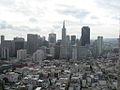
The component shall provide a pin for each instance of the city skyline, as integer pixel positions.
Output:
(21, 17)
(59, 45)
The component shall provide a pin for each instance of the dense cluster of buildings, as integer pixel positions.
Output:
(69, 47)
(93, 74)
(66, 64)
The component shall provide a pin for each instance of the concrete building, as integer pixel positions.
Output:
(94, 48)
(69, 49)
(73, 40)
(74, 52)
(85, 37)
(21, 54)
(44, 49)
(5, 53)
(100, 45)
(83, 52)
(32, 43)
(52, 39)
(8, 44)
(57, 49)
(12, 76)
(2, 38)
(52, 51)
(38, 56)
(19, 43)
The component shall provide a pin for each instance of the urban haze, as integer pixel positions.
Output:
(59, 45)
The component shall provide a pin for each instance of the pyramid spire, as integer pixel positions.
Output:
(64, 24)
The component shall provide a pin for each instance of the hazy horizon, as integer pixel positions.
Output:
(20, 17)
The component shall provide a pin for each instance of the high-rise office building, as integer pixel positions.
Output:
(38, 56)
(19, 43)
(5, 53)
(69, 50)
(21, 54)
(85, 37)
(74, 52)
(83, 52)
(32, 43)
(2, 39)
(94, 49)
(57, 49)
(100, 45)
(63, 46)
(52, 38)
(73, 40)
(8, 44)
(52, 51)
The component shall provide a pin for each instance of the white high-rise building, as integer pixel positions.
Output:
(100, 45)
(5, 53)
(74, 52)
(38, 56)
(21, 54)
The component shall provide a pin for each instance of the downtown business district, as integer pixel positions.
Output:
(66, 64)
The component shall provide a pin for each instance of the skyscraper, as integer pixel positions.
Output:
(69, 54)
(32, 43)
(2, 39)
(8, 44)
(57, 49)
(99, 45)
(21, 54)
(5, 53)
(73, 40)
(19, 43)
(74, 52)
(52, 38)
(63, 46)
(85, 37)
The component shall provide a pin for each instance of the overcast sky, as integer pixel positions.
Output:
(20, 17)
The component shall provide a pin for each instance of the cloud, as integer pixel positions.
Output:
(25, 7)
(7, 2)
(56, 26)
(75, 13)
(72, 11)
(29, 15)
(4, 25)
(112, 5)
(65, 6)
(33, 20)
(94, 17)
(116, 18)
